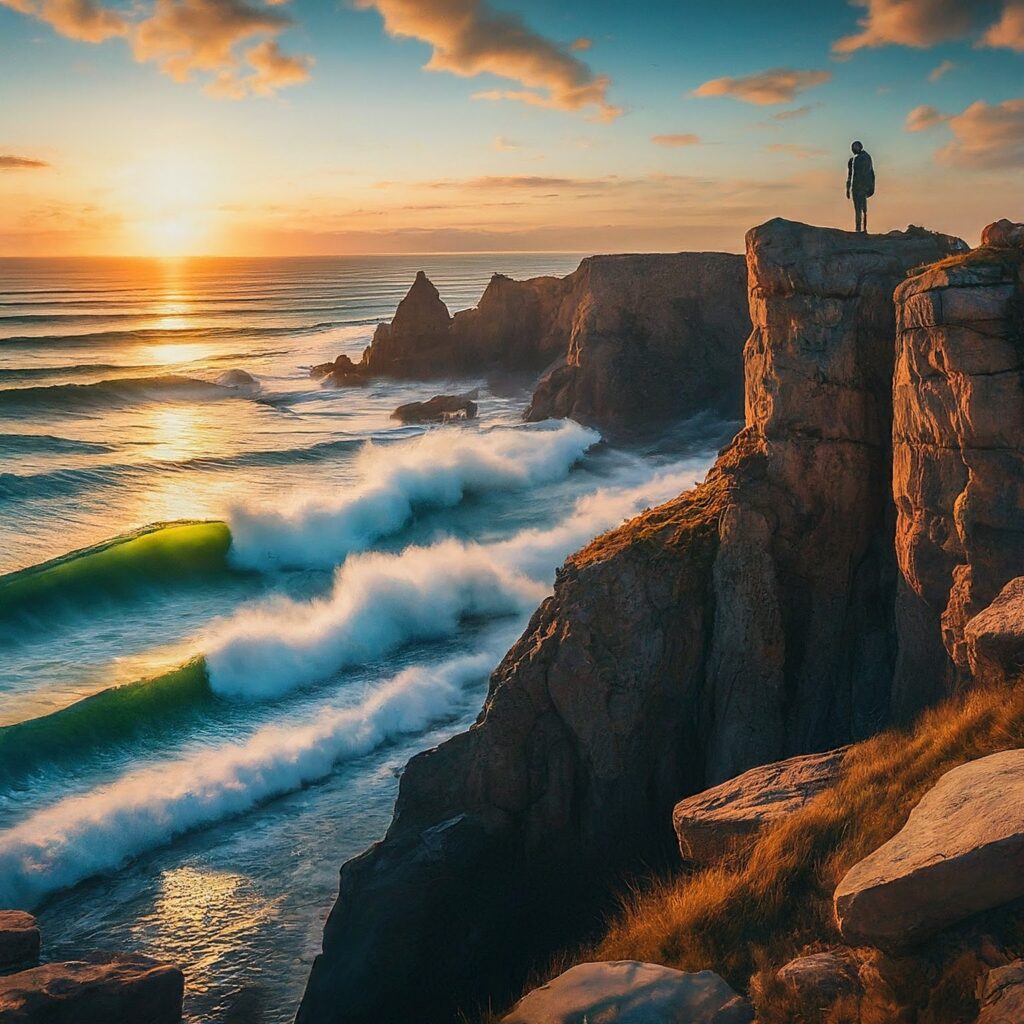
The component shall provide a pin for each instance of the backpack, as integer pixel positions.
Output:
(869, 178)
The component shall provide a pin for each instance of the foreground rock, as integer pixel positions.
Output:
(820, 979)
(994, 638)
(714, 822)
(958, 460)
(635, 340)
(743, 622)
(440, 408)
(19, 941)
(114, 989)
(629, 992)
(1002, 995)
(959, 853)
(1003, 234)
(341, 373)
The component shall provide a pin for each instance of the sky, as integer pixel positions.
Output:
(309, 127)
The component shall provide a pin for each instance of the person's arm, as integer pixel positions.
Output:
(849, 176)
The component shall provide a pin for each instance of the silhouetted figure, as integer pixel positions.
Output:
(860, 183)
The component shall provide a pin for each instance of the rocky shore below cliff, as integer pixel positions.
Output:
(825, 582)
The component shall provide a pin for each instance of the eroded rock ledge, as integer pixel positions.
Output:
(748, 620)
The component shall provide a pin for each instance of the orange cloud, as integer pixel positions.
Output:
(188, 37)
(20, 163)
(796, 151)
(918, 23)
(1008, 32)
(676, 140)
(942, 69)
(986, 136)
(780, 85)
(469, 38)
(583, 43)
(920, 119)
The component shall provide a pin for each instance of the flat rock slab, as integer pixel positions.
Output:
(19, 941)
(819, 979)
(995, 636)
(630, 992)
(960, 852)
(104, 989)
(709, 824)
(1002, 995)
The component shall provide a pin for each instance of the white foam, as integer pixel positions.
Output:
(437, 469)
(381, 602)
(82, 836)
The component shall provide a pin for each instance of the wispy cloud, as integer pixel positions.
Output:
(21, 163)
(681, 139)
(780, 85)
(470, 38)
(941, 70)
(796, 151)
(583, 43)
(920, 119)
(503, 145)
(188, 38)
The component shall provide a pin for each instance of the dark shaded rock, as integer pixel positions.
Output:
(994, 638)
(960, 853)
(19, 941)
(341, 373)
(629, 992)
(1003, 234)
(104, 989)
(746, 621)
(650, 338)
(712, 823)
(819, 979)
(440, 408)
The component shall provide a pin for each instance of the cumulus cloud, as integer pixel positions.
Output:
(20, 163)
(780, 85)
(917, 23)
(920, 119)
(942, 69)
(986, 136)
(676, 140)
(1008, 32)
(186, 38)
(470, 38)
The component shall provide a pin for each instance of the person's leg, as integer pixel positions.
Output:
(864, 214)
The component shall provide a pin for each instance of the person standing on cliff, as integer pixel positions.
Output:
(860, 184)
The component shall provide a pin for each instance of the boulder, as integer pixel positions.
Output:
(19, 941)
(440, 408)
(629, 992)
(958, 458)
(712, 823)
(995, 636)
(960, 852)
(104, 989)
(1001, 995)
(343, 372)
(1003, 234)
(820, 979)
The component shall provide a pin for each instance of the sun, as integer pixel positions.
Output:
(169, 199)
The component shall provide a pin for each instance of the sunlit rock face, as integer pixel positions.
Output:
(748, 620)
(958, 438)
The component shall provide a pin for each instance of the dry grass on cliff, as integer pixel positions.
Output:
(774, 899)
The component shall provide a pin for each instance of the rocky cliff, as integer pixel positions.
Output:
(745, 621)
(634, 340)
(958, 434)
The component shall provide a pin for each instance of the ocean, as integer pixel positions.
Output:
(231, 608)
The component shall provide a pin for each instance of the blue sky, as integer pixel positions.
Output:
(335, 139)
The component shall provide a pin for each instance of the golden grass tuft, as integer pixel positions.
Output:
(773, 899)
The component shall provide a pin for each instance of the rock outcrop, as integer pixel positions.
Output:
(746, 621)
(960, 853)
(715, 821)
(440, 408)
(99, 990)
(958, 435)
(994, 638)
(1002, 995)
(19, 941)
(635, 340)
(630, 992)
(650, 338)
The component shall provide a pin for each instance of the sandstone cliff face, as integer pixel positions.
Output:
(649, 338)
(745, 621)
(958, 434)
(635, 339)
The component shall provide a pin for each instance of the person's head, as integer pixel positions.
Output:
(856, 147)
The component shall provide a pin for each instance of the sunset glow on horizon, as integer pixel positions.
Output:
(242, 127)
